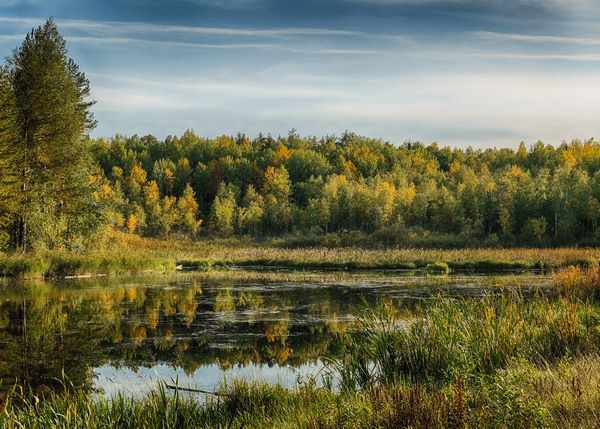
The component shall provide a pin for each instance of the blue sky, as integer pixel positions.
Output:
(460, 72)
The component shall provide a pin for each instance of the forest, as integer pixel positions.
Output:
(272, 186)
(60, 189)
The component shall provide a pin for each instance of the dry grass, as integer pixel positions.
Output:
(137, 254)
(577, 282)
(355, 258)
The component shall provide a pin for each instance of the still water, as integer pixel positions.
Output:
(197, 329)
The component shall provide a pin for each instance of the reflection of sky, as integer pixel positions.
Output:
(209, 378)
(479, 72)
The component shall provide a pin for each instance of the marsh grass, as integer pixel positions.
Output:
(576, 282)
(121, 253)
(464, 338)
(437, 267)
(65, 264)
(248, 254)
(494, 403)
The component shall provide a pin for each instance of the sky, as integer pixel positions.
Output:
(479, 73)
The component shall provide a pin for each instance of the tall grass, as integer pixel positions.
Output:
(251, 255)
(64, 264)
(271, 406)
(453, 339)
(577, 282)
(123, 253)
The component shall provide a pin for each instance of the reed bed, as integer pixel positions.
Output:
(66, 264)
(454, 339)
(123, 254)
(577, 282)
(207, 255)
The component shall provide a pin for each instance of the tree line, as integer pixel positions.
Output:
(271, 186)
(58, 187)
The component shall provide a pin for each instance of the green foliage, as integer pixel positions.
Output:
(534, 230)
(223, 215)
(438, 267)
(65, 264)
(292, 184)
(45, 114)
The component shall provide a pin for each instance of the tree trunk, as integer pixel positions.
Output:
(22, 234)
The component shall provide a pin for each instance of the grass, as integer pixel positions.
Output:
(577, 282)
(271, 406)
(65, 264)
(243, 253)
(120, 253)
(454, 339)
(438, 267)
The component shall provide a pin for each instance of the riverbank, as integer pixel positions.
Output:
(79, 265)
(130, 255)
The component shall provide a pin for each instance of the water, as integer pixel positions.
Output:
(196, 330)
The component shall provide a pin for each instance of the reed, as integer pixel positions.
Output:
(465, 338)
(123, 254)
(65, 264)
(576, 282)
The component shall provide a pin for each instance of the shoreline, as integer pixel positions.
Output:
(161, 257)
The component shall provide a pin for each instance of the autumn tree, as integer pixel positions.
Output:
(187, 206)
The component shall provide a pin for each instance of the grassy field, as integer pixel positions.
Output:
(500, 361)
(214, 254)
(124, 254)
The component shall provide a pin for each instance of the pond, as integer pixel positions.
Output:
(198, 330)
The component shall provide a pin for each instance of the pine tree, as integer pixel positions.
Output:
(53, 157)
(9, 190)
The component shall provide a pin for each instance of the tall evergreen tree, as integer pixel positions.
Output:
(53, 158)
(9, 190)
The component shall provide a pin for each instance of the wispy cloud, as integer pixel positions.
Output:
(310, 41)
(453, 108)
(533, 38)
(309, 50)
(148, 28)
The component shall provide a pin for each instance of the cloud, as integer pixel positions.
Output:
(459, 108)
(531, 38)
(309, 41)
(563, 4)
(110, 27)
(10, 3)
(111, 41)
(420, 81)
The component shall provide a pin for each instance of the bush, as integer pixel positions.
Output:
(438, 267)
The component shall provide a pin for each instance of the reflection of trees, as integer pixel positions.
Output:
(47, 330)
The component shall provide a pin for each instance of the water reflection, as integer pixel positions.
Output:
(189, 327)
